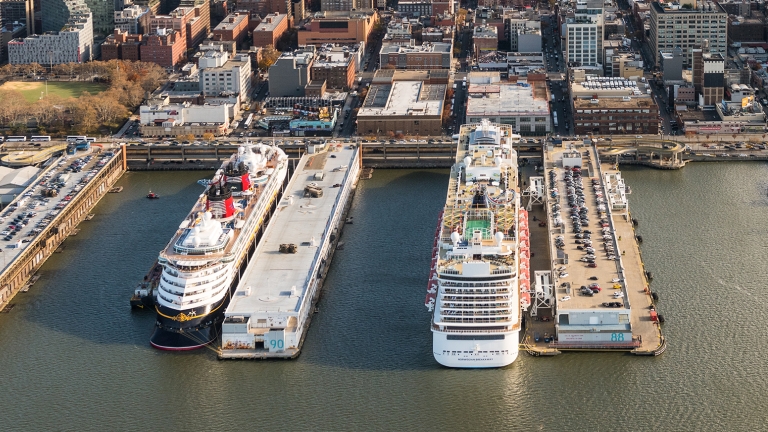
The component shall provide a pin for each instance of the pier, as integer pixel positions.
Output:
(272, 306)
(45, 220)
(596, 299)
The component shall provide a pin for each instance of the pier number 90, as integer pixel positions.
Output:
(280, 344)
(617, 337)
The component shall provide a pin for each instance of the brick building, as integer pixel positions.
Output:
(270, 29)
(234, 27)
(166, 48)
(121, 46)
(339, 27)
(336, 68)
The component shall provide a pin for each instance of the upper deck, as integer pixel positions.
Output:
(201, 239)
(482, 193)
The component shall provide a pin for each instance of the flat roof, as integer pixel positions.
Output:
(643, 102)
(427, 47)
(505, 99)
(278, 281)
(404, 98)
(269, 24)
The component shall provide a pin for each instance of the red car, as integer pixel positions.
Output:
(592, 265)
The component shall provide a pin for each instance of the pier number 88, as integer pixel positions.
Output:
(617, 337)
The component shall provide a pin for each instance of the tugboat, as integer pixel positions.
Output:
(152, 195)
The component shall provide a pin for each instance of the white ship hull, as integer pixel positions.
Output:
(475, 353)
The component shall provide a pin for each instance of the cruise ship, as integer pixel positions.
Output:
(479, 278)
(201, 263)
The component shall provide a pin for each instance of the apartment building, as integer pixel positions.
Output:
(74, 43)
(133, 19)
(339, 27)
(225, 75)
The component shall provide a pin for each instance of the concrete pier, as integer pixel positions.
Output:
(57, 216)
(272, 307)
(615, 317)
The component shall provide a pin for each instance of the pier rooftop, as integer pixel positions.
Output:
(615, 316)
(269, 311)
(32, 211)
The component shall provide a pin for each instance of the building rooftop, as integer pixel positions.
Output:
(677, 8)
(512, 99)
(438, 47)
(614, 103)
(269, 23)
(232, 21)
(400, 98)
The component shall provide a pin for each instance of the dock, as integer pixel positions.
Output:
(596, 299)
(272, 306)
(43, 220)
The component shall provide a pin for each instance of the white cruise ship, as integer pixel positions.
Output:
(479, 276)
(202, 262)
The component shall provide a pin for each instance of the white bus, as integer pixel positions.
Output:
(40, 138)
(16, 138)
(76, 138)
(248, 121)
(554, 117)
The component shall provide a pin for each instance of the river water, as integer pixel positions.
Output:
(73, 356)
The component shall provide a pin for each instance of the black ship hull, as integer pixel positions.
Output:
(189, 329)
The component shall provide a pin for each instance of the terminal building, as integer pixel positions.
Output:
(160, 118)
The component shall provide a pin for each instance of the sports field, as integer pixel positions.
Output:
(65, 89)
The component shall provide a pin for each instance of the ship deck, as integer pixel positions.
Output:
(629, 270)
(280, 282)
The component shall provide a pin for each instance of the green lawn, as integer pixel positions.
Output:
(32, 89)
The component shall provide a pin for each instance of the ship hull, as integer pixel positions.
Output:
(475, 353)
(188, 329)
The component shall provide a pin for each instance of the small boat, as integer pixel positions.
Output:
(152, 195)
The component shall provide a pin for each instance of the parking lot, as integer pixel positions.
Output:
(31, 212)
(584, 237)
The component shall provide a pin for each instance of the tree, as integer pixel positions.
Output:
(189, 137)
(208, 137)
(269, 56)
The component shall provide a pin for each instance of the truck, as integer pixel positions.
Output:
(63, 179)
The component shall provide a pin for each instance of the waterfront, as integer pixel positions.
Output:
(73, 355)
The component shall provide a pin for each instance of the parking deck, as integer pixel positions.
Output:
(602, 296)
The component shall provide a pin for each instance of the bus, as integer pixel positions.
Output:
(554, 117)
(16, 138)
(76, 138)
(248, 121)
(40, 138)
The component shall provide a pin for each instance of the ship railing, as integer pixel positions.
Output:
(474, 314)
(472, 297)
(475, 291)
(505, 330)
(504, 284)
(201, 250)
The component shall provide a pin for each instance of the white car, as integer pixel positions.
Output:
(566, 298)
(563, 275)
(618, 294)
(5, 233)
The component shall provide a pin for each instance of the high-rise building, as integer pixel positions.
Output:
(18, 11)
(685, 25)
(584, 35)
